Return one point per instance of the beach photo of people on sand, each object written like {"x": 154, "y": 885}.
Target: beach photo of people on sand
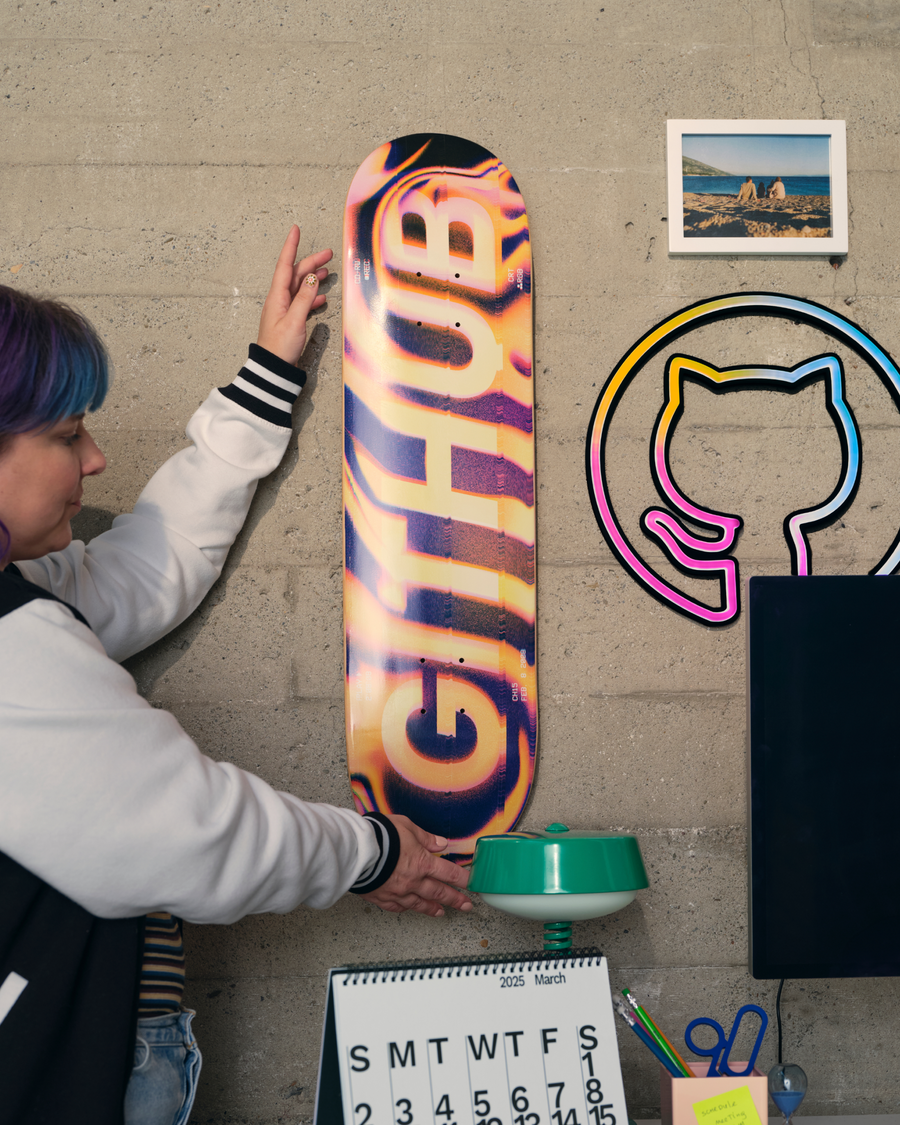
{"x": 747, "y": 185}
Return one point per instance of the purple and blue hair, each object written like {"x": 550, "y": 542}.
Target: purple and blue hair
{"x": 52, "y": 365}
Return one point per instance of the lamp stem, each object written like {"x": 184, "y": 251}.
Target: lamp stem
{"x": 557, "y": 936}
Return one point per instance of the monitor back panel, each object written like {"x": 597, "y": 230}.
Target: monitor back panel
{"x": 824, "y": 776}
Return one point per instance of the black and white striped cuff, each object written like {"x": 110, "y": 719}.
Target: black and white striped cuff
{"x": 383, "y": 868}
{"x": 267, "y": 386}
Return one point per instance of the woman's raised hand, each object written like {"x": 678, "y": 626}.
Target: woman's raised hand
{"x": 293, "y": 295}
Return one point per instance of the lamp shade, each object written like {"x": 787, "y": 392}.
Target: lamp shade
{"x": 558, "y": 872}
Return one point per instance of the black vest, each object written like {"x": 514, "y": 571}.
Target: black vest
{"x": 67, "y": 1041}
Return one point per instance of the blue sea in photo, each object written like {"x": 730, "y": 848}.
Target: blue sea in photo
{"x": 729, "y": 185}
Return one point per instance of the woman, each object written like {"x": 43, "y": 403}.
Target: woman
{"x": 108, "y": 811}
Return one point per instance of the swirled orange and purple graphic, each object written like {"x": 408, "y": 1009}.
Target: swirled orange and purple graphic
{"x": 438, "y": 488}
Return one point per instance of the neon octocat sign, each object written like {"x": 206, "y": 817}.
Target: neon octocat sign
{"x": 698, "y": 541}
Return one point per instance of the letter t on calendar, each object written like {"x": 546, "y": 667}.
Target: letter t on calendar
{"x": 525, "y": 1041}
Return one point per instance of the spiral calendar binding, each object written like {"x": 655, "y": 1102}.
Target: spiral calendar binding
{"x": 477, "y": 965}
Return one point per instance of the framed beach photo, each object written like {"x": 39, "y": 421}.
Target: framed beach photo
{"x": 757, "y": 187}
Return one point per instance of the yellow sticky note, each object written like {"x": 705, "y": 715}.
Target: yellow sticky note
{"x": 734, "y": 1108}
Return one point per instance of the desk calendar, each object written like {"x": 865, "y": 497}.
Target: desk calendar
{"x": 524, "y": 1040}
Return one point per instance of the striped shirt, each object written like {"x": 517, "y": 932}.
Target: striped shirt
{"x": 162, "y": 970}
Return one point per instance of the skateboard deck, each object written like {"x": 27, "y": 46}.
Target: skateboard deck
{"x": 438, "y": 489}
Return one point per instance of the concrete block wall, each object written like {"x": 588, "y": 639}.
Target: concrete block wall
{"x": 154, "y": 153}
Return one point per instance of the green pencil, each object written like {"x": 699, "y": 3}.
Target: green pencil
{"x": 658, "y": 1037}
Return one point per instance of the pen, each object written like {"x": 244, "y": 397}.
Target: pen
{"x": 658, "y": 1036}
{"x": 646, "y": 1040}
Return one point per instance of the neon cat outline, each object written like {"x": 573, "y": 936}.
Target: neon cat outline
{"x": 690, "y": 553}
{"x": 710, "y": 557}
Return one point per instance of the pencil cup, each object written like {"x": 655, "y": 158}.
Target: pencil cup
{"x": 679, "y": 1095}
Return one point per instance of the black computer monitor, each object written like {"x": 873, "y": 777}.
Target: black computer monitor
{"x": 824, "y": 776}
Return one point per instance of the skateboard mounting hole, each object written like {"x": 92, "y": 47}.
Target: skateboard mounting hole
{"x": 418, "y": 324}
{"x": 422, "y": 712}
{"x": 419, "y": 273}
{"x": 462, "y": 660}
{"x": 462, "y": 710}
{"x": 456, "y": 275}
{"x": 457, "y": 324}
{"x": 421, "y": 659}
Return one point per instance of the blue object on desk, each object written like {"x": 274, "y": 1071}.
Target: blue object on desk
{"x": 718, "y": 1055}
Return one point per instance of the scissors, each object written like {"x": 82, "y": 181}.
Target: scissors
{"x": 718, "y": 1055}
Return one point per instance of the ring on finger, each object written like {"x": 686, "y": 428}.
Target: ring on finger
{"x": 311, "y": 280}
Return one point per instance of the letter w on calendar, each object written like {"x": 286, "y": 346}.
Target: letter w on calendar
{"x": 524, "y": 1042}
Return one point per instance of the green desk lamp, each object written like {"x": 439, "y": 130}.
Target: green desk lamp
{"x": 558, "y": 873}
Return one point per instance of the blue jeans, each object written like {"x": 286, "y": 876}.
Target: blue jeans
{"x": 166, "y": 1068}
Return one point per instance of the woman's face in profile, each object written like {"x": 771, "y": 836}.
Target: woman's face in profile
{"x": 40, "y": 485}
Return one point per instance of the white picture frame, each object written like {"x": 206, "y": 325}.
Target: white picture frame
{"x": 809, "y": 151}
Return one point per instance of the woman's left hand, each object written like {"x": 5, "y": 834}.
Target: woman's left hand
{"x": 421, "y": 881}
{"x": 293, "y": 295}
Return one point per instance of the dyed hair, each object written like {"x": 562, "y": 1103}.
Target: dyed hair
{"x": 52, "y": 365}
